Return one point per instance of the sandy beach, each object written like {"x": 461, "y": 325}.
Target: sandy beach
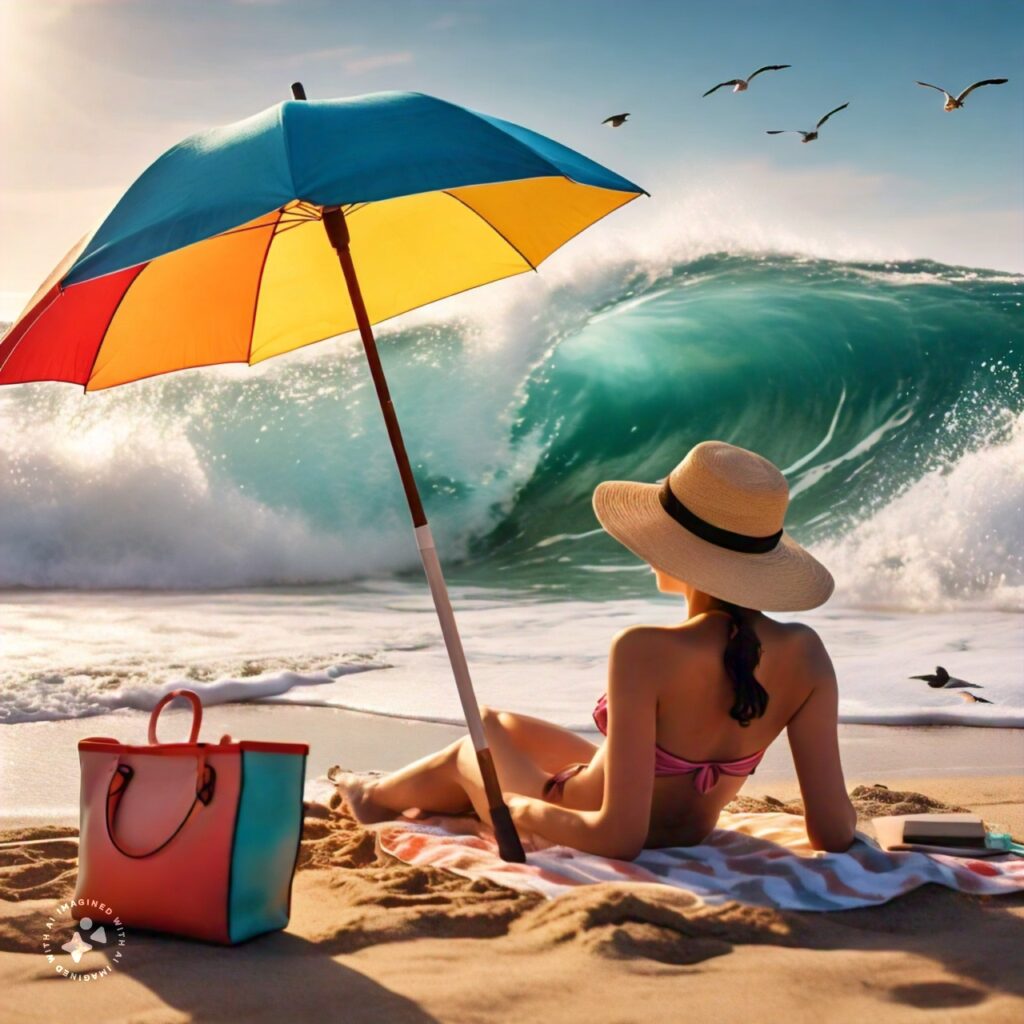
{"x": 372, "y": 939}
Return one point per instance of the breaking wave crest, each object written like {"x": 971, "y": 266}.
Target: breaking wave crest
{"x": 889, "y": 393}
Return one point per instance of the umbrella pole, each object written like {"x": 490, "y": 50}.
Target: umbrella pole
{"x": 510, "y": 847}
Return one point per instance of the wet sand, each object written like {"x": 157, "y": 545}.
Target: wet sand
{"x": 39, "y": 760}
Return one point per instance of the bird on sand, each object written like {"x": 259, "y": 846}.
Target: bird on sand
{"x": 940, "y": 679}
{"x": 969, "y": 698}
{"x": 812, "y": 135}
{"x": 616, "y": 120}
{"x": 743, "y": 84}
{"x": 956, "y": 102}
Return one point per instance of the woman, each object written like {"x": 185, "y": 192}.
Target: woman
{"x": 690, "y": 709}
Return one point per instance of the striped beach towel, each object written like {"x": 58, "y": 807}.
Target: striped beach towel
{"x": 759, "y": 859}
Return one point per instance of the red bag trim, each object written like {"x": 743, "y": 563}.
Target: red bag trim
{"x": 111, "y": 746}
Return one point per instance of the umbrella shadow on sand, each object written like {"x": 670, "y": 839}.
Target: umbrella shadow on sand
{"x": 971, "y": 939}
{"x": 273, "y": 978}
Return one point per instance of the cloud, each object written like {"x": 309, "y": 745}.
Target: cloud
{"x": 356, "y": 60}
{"x": 444, "y": 21}
{"x": 835, "y": 211}
{"x": 326, "y": 53}
{"x": 375, "y": 61}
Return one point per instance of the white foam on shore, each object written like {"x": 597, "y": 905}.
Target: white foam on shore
{"x": 56, "y": 698}
{"x": 379, "y": 651}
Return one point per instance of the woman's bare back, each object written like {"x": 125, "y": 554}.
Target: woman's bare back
{"x": 694, "y": 696}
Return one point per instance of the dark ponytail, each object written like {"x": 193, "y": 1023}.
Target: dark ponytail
{"x": 741, "y": 658}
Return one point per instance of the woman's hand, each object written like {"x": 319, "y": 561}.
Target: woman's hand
{"x": 552, "y": 823}
{"x": 524, "y": 810}
{"x": 589, "y": 831}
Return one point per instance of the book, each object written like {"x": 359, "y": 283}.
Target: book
{"x": 958, "y": 835}
{"x": 943, "y": 826}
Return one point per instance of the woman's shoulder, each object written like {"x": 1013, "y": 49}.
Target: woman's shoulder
{"x": 635, "y": 640}
{"x": 700, "y": 637}
{"x": 804, "y": 651}
{"x": 801, "y": 637}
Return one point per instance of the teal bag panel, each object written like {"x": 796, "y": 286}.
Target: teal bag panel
{"x": 267, "y": 834}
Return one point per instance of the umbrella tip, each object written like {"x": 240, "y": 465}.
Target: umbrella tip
{"x": 298, "y": 92}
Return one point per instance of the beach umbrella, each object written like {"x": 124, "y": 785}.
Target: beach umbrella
{"x": 242, "y": 243}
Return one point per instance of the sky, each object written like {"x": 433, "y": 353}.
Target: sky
{"x": 94, "y": 90}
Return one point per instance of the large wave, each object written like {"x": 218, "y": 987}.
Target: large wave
{"x": 889, "y": 393}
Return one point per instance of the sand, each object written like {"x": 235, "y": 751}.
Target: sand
{"x": 374, "y": 940}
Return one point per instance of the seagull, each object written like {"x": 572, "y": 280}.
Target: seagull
{"x": 616, "y": 120}
{"x": 956, "y": 102}
{"x": 969, "y": 698}
{"x": 742, "y": 84}
{"x": 810, "y": 136}
{"x": 942, "y": 680}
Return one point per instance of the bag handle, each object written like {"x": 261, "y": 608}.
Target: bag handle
{"x": 197, "y": 713}
{"x": 206, "y": 776}
{"x": 206, "y": 783}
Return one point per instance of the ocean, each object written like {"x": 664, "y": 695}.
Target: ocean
{"x": 244, "y": 529}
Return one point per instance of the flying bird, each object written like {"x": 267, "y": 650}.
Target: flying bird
{"x": 969, "y": 698}
{"x": 942, "y": 680}
{"x": 812, "y": 135}
{"x": 616, "y": 120}
{"x": 743, "y": 84}
{"x": 956, "y": 102}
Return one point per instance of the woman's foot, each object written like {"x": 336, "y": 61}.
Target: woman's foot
{"x": 357, "y": 791}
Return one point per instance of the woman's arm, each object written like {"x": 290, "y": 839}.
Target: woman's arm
{"x": 620, "y": 827}
{"x": 814, "y": 740}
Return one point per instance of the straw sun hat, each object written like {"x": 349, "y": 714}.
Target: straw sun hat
{"x": 716, "y": 523}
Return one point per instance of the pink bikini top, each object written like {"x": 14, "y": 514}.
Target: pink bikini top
{"x": 705, "y": 773}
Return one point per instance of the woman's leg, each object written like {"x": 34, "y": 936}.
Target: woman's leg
{"x": 549, "y": 746}
{"x": 526, "y": 751}
{"x": 431, "y": 783}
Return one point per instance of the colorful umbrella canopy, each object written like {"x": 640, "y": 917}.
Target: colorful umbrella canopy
{"x": 217, "y": 255}
{"x": 238, "y": 245}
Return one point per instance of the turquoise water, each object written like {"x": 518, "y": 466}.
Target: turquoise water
{"x": 857, "y": 380}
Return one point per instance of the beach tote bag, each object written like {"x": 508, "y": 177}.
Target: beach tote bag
{"x": 196, "y": 839}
